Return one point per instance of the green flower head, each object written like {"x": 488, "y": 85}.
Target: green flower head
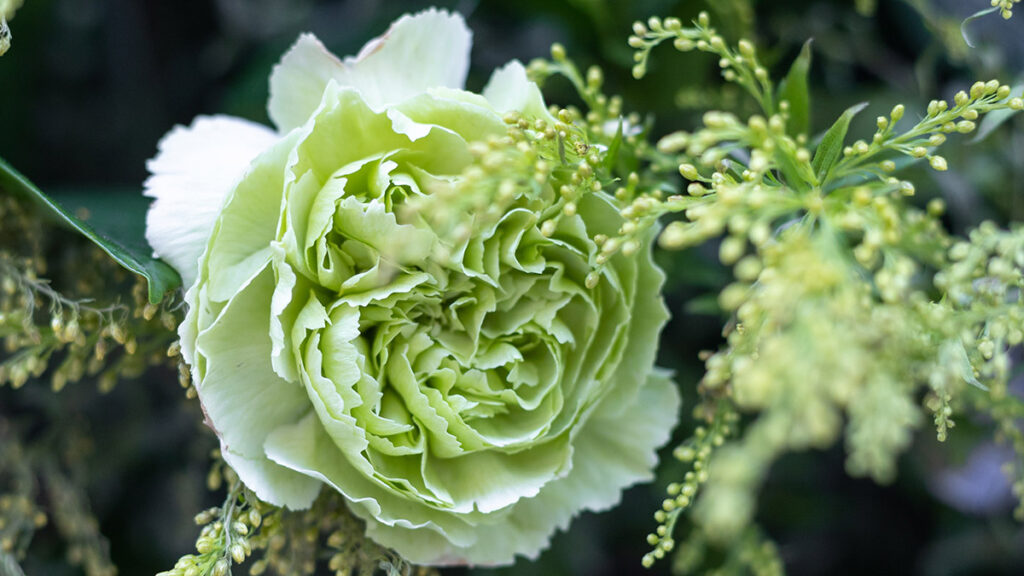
{"x": 468, "y": 394}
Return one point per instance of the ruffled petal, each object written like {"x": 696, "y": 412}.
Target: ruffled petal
{"x": 195, "y": 169}
{"x": 615, "y": 449}
{"x": 510, "y": 90}
{"x": 419, "y": 52}
{"x": 298, "y": 82}
{"x": 422, "y": 51}
{"x": 245, "y": 400}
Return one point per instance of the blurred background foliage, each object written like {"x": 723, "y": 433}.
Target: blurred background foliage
{"x": 90, "y": 86}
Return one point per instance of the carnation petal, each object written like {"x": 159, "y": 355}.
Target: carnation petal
{"x": 615, "y": 449}
{"x": 419, "y": 52}
{"x": 307, "y": 447}
{"x": 244, "y": 399}
{"x": 641, "y": 341}
{"x": 297, "y": 83}
{"x": 195, "y": 169}
{"x": 510, "y": 90}
{"x": 274, "y": 483}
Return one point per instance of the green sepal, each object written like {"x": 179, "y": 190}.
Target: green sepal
{"x": 126, "y": 244}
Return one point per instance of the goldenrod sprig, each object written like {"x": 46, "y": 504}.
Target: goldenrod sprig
{"x": 1005, "y": 7}
{"x": 919, "y": 142}
{"x": 697, "y": 453}
{"x": 739, "y": 65}
{"x": 224, "y": 539}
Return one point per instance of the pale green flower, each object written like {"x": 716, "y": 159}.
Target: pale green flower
{"x": 7, "y": 10}
{"x": 5, "y": 36}
{"x": 467, "y": 405}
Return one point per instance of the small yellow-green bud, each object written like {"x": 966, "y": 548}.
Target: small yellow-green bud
{"x": 237, "y": 553}
{"x": 689, "y": 171}
{"x": 731, "y": 249}
{"x": 683, "y": 44}
{"x": 205, "y": 545}
{"x": 938, "y": 163}
{"x": 548, "y": 228}
{"x": 746, "y": 48}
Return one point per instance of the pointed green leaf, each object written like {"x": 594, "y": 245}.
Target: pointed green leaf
{"x": 794, "y": 90}
{"x": 114, "y": 226}
{"x": 612, "y": 156}
{"x": 831, "y": 147}
{"x": 859, "y": 178}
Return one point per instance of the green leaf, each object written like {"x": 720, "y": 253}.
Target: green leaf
{"x": 831, "y": 147}
{"x": 972, "y": 18}
{"x": 116, "y": 227}
{"x": 794, "y": 90}
{"x": 613, "y": 149}
{"x": 859, "y": 178}
{"x": 798, "y": 175}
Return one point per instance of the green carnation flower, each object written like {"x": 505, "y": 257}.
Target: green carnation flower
{"x": 467, "y": 397}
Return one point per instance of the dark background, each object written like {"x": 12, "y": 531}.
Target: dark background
{"x": 90, "y": 86}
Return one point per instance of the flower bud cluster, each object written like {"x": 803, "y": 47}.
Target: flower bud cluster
{"x": 604, "y": 114}
{"x": 224, "y": 538}
{"x": 272, "y": 540}
{"x": 44, "y": 471}
{"x": 46, "y": 332}
{"x": 20, "y": 516}
{"x": 961, "y": 116}
{"x": 547, "y": 168}
{"x": 739, "y": 64}
{"x": 1005, "y": 7}
{"x": 832, "y": 302}
{"x": 696, "y": 452}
